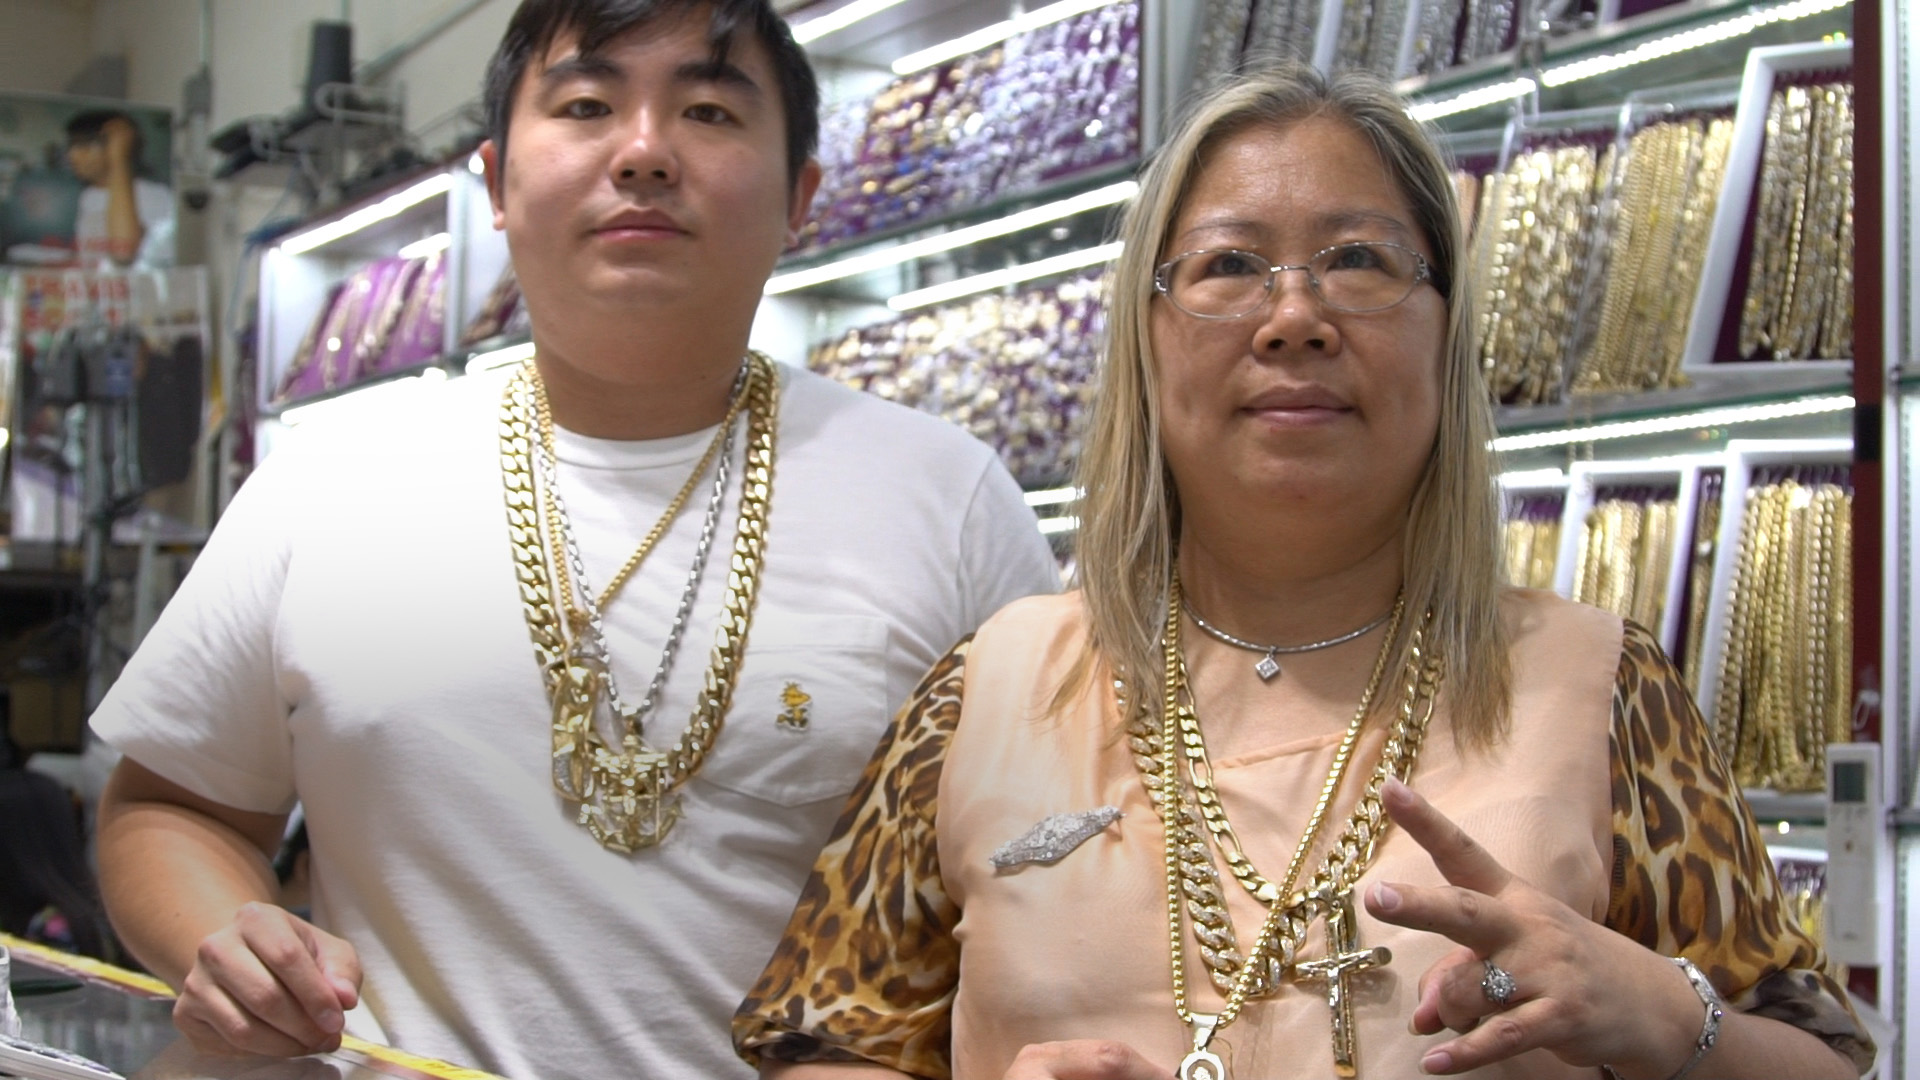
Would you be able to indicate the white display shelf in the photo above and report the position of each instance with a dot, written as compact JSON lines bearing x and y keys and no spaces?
{"x":1714,"y":299}
{"x":1742,"y":458}
{"x":1586,"y":479}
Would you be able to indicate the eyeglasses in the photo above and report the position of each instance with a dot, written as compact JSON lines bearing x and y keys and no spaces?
{"x":1225,"y":283}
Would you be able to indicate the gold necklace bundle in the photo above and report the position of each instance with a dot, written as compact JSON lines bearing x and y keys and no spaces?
{"x":1799,"y":303}
{"x":1706,"y":533}
{"x":1532,"y":534}
{"x":1663,"y":213}
{"x":1626,"y":555}
{"x":1529,"y":262}
{"x":1786,"y":673}
{"x":627,"y":795}
{"x":1193,"y":883}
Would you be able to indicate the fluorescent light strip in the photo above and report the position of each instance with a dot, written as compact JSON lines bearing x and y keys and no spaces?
{"x":1737,"y":26}
{"x":1052,"y":496}
{"x":1053,"y":525}
{"x":1627,"y":429}
{"x":1472,"y":99}
{"x":919,"y":249}
{"x":437,"y":184}
{"x":814,"y":29}
{"x":993,"y":35}
{"x":1589,"y":67}
{"x":1013,"y":275}
{"x":432,"y":245}
{"x":499,"y":358}
{"x":366,"y":402}
{"x":1533,"y":478}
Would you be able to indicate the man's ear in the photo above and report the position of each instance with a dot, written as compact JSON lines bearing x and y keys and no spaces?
{"x":496,"y":181}
{"x":800,"y":201}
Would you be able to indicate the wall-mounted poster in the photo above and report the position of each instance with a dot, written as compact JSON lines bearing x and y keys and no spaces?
{"x":85,"y":183}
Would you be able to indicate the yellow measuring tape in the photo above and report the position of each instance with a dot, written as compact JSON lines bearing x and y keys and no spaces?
{"x":385,"y":1058}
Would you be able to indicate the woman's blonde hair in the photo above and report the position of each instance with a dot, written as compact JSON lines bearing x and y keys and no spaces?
{"x":1130,"y":511}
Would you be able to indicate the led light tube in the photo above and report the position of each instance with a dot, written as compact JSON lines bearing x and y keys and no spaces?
{"x":437,"y":184}
{"x":1532,"y":478}
{"x":1053,"y":496}
{"x":1052,"y":525}
{"x":814,"y":29}
{"x":420,"y":249}
{"x":1588,"y":67}
{"x":1627,"y":429}
{"x":1012,"y":275}
{"x":993,"y":35}
{"x":959,"y":238}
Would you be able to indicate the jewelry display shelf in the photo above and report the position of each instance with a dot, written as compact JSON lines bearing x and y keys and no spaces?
{"x":1585,"y":481}
{"x":1003,"y":207}
{"x":300,"y":271}
{"x":1710,"y":52}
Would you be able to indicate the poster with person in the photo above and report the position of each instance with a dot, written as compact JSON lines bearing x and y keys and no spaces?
{"x":85,"y":183}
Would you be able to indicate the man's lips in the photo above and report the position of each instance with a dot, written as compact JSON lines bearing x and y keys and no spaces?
{"x":639,"y":225}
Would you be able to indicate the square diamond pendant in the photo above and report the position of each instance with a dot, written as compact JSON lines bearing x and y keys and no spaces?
{"x":1267,"y":668}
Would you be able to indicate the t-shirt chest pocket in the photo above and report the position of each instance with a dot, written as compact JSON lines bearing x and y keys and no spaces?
{"x":808,"y":710}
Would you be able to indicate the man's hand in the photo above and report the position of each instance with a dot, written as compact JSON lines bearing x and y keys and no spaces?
{"x":119,"y":136}
{"x":268,"y":983}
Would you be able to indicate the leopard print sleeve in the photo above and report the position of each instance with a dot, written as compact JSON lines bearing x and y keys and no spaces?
{"x":867,"y":968}
{"x":1691,"y":876}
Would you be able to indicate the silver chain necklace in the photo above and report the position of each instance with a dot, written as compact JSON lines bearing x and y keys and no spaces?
{"x":1268,"y":667}
{"x":631,"y":716}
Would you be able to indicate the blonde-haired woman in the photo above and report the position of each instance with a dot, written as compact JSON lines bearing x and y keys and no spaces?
{"x":1293,"y":786}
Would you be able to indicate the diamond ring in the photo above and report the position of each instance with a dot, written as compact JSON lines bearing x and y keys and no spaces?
{"x":1497,"y":984}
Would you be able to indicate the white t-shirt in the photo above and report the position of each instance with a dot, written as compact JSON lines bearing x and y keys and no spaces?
{"x":152,"y":201}
{"x":352,"y":638}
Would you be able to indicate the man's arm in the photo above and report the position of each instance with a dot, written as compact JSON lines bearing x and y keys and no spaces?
{"x":190,"y":891}
{"x":125,"y":230}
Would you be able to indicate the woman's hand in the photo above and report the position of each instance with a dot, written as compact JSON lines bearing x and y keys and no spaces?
{"x":1581,"y":991}
{"x":1084,"y":1059}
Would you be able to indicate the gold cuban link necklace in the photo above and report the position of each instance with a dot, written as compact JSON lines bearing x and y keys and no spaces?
{"x":1329,"y":893}
{"x":627,"y":796}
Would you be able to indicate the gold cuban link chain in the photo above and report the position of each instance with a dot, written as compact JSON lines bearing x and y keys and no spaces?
{"x":627,"y":796}
{"x":1287,"y":924}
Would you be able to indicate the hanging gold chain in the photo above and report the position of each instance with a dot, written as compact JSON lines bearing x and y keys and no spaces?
{"x":543,"y":413}
{"x":628,"y":796}
{"x":1352,"y":852}
{"x":1200,"y":767}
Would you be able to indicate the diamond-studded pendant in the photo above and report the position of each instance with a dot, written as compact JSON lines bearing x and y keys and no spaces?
{"x":1267,"y":668}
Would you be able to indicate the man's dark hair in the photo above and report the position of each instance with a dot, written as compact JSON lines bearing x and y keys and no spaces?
{"x":91,"y":127}
{"x":538,"y":23}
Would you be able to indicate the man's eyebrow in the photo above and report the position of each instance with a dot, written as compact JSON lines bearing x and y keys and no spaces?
{"x":578,"y":66}
{"x":715,"y":70}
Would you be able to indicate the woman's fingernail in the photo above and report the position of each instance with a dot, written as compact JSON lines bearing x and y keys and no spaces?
{"x":330,"y":1021}
{"x":1386,"y":898}
{"x":1437,"y":1062}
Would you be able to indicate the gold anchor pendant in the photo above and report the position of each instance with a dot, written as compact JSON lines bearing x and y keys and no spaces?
{"x":626,"y":798}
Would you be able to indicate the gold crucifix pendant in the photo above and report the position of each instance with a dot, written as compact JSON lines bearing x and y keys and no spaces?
{"x":1342,"y":961}
{"x":1202,"y":1064}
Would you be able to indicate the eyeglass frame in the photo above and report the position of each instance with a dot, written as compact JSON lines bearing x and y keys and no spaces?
{"x":1423,"y":273}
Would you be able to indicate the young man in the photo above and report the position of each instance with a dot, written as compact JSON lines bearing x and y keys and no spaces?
{"x":124,"y":219}
{"x":554,"y":835}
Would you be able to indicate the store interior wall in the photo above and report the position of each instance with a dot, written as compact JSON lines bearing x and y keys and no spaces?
{"x":44,"y":44}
